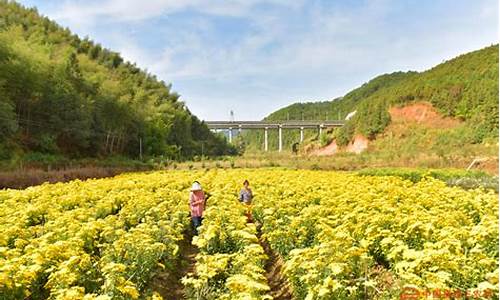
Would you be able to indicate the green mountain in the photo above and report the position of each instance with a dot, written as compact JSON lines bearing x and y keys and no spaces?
{"x":465,"y":87}
{"x":340,"y":107}
{"x":60,"y":94}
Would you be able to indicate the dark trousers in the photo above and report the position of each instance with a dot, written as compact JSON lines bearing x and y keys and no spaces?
{"x":196,"y":222}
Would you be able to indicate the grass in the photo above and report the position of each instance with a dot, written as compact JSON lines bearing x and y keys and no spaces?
{"x":363,"y":164}
{"x":452,"y":177}
{"x":402,"y":144}
{"x":419,"y":149}
{"x":340,"y":162}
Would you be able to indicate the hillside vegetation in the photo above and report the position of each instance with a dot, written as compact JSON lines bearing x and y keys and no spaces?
{"x":67,"y":96}
{"x":465,"y":88}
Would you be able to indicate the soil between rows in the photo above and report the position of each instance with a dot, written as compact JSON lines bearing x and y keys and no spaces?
{"x":168,"y":282}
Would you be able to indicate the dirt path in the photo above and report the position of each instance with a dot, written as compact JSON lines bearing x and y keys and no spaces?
{"x":280,"y":288}
{"x":168,"y":282}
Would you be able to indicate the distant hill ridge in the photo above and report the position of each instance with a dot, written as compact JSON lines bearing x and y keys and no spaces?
{"x":465,"y":87}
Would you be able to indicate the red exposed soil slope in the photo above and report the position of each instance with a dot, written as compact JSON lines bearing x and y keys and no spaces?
{"x":329,"y":149}
{"x":358,"y":145}
{"x":422,"y":113}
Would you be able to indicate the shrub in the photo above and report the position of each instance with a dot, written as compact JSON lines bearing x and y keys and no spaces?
{"x":452,"y":177}
{"x":345,"y":134}
{"x":325,"y":139}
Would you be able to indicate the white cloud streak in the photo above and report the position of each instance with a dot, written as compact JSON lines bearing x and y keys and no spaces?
{"x":289,"y":50}
{"x":137,"y":10}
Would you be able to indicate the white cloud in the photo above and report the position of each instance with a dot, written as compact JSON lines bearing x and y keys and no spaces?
{"x":287,"y":52}
{"x":136,"y":10}
{"x":303,"y":50}
{"x":116,"y":10}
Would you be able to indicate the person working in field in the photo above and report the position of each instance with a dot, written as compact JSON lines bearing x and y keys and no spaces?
{"x":197,"y":202}
{"x":246,"y":197}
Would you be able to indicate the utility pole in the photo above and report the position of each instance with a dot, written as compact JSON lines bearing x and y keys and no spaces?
{"x":231,"y":118}
{"x":202,"y":153}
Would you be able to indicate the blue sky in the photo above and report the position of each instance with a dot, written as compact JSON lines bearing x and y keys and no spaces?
{"x":255,"y":56}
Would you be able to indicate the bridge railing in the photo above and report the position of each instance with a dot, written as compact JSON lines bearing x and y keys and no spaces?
{"x":239,"y":125}
{"x":272,"y":124}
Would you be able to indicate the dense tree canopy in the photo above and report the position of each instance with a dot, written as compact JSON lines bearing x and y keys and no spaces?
{"x":61,"y":94}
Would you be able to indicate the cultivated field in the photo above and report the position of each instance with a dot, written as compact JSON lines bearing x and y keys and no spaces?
{"x":315,"y":235}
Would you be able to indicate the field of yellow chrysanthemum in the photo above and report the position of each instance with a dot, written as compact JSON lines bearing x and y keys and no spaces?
{"x":340,"y":235}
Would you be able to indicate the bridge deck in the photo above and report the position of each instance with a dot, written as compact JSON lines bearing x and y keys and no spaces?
{"x":272,"y":124}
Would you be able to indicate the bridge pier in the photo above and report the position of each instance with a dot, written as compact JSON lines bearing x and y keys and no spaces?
{"x":217,"y":126}
{"x":266,"y":148}
{"x":280,"y":138}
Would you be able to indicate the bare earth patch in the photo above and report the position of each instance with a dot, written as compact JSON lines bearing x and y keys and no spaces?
{"x":280,"y":288}
{"x":329,"y":149}
{"x":167,"y":282}
{"x":21,"y":179}
{"x":422,"y":113}
{"x":358,"y":145}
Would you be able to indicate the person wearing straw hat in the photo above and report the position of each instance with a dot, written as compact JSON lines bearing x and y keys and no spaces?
{"x":197,"y":204}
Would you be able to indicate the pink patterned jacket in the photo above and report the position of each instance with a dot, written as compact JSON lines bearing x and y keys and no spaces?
{"x":197,"y":203}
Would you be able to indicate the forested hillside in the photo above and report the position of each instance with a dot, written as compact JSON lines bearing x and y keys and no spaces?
{"x":340,"y":107}
{"x":306,"y":111}
{"x":465,"y":87}
{"x":61,"y":94}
